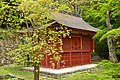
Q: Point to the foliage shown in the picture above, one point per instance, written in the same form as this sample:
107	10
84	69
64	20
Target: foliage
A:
8	42
105	72
49	40
10	21
16	70
42	40
95	14
101	47
112	33
99	33
110	68
9	14
88	76
31	18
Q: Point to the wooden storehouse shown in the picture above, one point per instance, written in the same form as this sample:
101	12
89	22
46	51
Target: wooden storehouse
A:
78	48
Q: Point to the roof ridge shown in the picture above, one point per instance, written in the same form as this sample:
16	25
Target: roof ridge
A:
71	13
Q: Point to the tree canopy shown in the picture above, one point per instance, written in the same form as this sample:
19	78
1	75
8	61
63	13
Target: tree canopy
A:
31	19
104	14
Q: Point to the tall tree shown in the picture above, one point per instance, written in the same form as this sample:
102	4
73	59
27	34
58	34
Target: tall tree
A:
110	40
75	6
38	37
105	14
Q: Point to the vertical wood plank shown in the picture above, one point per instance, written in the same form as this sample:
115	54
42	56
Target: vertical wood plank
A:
46	58
81	42
70	52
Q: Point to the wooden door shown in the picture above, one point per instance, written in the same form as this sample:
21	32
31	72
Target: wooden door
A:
76	45
66	43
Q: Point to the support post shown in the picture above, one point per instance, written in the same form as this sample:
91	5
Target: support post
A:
70	51
81	45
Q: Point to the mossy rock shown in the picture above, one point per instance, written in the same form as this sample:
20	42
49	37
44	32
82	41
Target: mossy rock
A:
9	76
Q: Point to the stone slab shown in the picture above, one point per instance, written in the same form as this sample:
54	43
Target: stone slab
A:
64	70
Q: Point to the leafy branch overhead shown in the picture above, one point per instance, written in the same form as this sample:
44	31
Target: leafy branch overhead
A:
114	33
104	14
37	17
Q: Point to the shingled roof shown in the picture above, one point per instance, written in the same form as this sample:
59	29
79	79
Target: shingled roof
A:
73	22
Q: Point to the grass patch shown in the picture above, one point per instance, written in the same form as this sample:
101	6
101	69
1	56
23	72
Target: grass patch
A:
106	70
16	70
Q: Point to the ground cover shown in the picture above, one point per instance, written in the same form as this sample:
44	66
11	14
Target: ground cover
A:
105	70
16	71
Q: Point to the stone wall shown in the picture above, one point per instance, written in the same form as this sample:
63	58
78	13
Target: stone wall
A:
5	47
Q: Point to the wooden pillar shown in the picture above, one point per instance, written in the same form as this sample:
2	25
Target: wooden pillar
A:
58	66
81	42
81	45
46	60
91	47
70	51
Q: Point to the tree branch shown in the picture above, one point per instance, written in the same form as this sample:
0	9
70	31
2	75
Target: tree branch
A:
109	27
118	46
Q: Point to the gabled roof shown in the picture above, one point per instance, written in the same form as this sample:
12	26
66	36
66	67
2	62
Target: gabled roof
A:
73	22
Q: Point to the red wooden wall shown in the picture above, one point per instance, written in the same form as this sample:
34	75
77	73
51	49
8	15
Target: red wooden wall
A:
77	51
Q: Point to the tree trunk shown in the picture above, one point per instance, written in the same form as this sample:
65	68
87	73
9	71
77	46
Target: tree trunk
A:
36	72
110	40
112	49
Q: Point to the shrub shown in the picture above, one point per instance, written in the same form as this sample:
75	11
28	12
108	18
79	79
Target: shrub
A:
88	76
106	70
